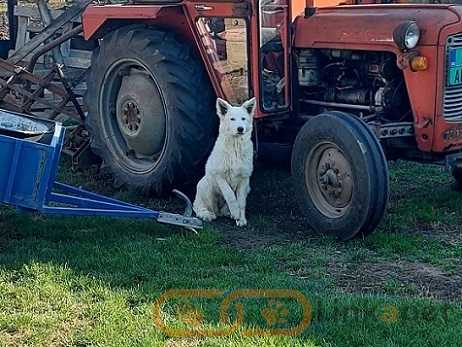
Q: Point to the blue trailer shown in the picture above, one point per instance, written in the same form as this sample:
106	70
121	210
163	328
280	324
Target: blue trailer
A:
29	156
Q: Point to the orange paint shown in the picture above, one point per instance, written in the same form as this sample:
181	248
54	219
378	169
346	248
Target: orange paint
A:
298	6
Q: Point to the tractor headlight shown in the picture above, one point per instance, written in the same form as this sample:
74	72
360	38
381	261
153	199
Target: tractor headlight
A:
407	35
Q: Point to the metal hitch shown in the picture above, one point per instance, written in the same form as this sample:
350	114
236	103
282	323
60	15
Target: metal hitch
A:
186	220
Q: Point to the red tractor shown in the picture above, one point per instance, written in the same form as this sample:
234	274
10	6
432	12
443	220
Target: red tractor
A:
341	88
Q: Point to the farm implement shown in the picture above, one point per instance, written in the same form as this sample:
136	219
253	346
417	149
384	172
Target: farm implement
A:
40	74
29	155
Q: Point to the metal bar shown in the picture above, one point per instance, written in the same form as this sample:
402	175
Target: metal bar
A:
36	94
179	220
37	40
10	81
72	211
65	188
339	105
45	15
5	65
161	217
53	44
58	109
70	92
82	202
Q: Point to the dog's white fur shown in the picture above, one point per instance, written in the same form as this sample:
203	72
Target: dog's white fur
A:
224	188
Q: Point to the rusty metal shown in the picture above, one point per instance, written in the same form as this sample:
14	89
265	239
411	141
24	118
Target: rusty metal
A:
49	93
53	44
53	29
69	89
131	118
329	177
340	105
77	145
399	129
22	90
47	19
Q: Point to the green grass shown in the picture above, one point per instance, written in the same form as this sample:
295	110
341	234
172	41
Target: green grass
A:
93	281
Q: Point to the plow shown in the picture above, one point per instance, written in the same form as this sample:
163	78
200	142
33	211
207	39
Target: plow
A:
34	76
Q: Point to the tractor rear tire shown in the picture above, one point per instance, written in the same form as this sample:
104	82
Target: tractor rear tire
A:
151	113
340	175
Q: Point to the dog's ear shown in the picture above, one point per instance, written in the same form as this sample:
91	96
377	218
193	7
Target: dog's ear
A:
222	107
249	106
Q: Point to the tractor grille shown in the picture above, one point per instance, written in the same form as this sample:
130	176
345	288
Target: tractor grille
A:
452	99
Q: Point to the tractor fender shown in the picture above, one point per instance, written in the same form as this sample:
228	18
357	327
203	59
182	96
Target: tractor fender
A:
99	20
97	17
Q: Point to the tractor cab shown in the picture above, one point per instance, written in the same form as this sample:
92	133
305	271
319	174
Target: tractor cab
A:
249	54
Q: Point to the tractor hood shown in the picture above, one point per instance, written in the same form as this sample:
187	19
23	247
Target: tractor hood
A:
372	25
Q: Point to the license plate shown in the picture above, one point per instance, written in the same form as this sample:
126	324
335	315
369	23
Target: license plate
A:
455	67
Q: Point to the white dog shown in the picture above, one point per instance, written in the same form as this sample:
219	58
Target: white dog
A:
224	188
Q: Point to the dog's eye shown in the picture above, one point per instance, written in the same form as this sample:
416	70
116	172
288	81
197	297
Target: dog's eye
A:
243	118
233	118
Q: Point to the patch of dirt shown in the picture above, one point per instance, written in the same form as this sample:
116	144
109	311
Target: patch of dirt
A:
417	279
274	219
272	212
448	235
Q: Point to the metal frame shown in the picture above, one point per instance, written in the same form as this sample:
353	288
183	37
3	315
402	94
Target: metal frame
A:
27	181
51	94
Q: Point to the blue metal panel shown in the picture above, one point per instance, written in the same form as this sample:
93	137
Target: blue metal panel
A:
7	147
30	175
56	144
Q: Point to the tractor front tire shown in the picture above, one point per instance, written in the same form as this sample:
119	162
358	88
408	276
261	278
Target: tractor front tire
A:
150	108
340	175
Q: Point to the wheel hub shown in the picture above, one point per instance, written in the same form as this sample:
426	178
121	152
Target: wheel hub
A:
141	115
334	174
131	118
330	183
329	178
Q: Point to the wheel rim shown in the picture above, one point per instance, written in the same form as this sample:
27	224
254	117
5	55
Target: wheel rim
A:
134	114
328	178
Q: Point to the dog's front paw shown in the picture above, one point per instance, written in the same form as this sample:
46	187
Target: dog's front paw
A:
241	222
207	216
235	212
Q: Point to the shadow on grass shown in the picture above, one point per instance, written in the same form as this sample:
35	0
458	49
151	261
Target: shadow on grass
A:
114	269
129	253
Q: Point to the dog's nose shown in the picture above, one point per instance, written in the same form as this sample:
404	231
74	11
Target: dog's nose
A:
240	130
